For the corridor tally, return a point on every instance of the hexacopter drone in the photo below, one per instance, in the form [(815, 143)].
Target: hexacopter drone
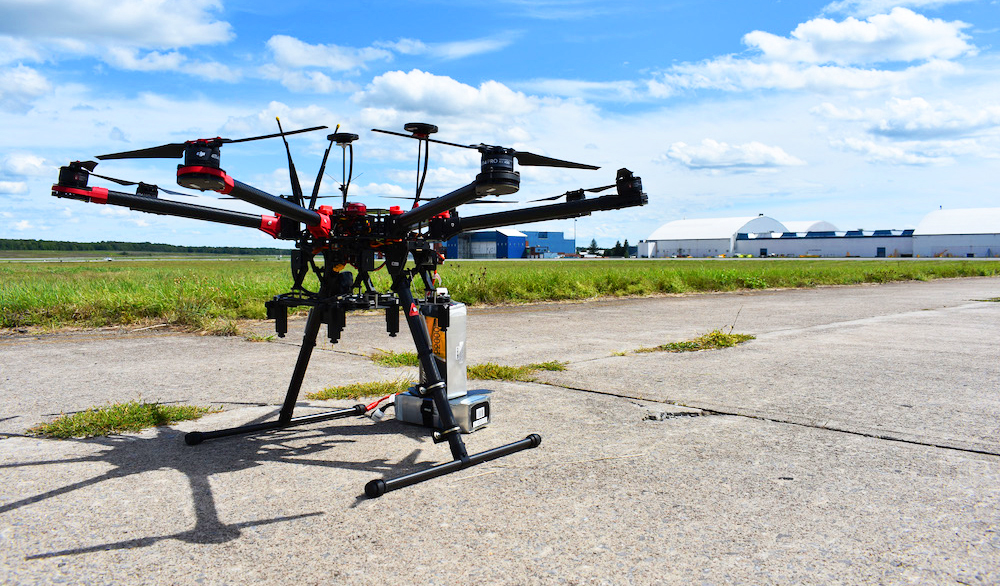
[(356, 236)]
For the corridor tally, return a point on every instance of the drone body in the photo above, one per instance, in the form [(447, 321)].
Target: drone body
[(353, 235)]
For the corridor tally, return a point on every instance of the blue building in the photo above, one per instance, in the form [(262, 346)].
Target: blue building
[(502, 243), (549, 244)]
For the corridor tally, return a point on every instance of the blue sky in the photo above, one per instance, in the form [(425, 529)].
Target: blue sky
[(864, 113)]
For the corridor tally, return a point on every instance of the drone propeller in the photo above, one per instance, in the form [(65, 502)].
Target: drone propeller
[(575, 194), (175, 150), (147, 188), (524, 158)]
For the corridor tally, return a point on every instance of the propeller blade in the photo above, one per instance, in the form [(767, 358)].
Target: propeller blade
[(577, 193), (118, 181), (553, 198), (174, 150), (600, 189), (231, 140), (533, 160), (454, 144)]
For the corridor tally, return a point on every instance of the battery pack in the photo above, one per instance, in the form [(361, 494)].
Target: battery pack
[(472, 411)]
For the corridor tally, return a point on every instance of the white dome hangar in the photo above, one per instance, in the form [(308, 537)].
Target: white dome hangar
[(942, 233), (705, 237)]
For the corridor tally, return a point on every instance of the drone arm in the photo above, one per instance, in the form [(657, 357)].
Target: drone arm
[(284, 207), (629, 194), (436, 206), (154, 205)]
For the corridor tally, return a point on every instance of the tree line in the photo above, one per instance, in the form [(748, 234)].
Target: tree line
[(113, 246)]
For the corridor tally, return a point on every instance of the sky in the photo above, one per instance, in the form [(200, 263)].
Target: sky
[(864, 113)]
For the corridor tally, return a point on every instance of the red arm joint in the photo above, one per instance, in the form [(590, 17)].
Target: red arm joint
[(93, 194), (325, 224), (270, 225)]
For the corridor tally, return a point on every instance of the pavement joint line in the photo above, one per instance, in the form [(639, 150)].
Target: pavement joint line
[(716, 411)]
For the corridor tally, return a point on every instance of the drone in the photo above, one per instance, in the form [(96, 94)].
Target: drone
[(328, 240)]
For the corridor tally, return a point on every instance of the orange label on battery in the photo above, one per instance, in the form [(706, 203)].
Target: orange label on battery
[(438, 337)]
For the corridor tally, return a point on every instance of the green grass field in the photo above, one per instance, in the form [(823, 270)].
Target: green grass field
[(201, 294)]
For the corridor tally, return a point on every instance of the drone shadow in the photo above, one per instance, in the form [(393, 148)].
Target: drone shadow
[(132, 455)]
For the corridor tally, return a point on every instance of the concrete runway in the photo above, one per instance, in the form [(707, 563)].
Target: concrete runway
[(856, 440)]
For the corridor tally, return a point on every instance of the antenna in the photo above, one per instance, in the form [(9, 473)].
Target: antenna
[(296, 186)]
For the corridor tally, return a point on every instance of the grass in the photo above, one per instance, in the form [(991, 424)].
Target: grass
[(118, 418), (359, 390), (488, 371), (212, 295), (992, 299), (394, 359), (493, 371), (711, 341)]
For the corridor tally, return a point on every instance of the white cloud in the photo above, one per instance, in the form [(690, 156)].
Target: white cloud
[(591, 90), (711, 154), (885, 153), (129, 58), (901, 35), (13, 187), (315, 82), (917, 119), (418, 91), (157, 24), (26, 165), (20, 86), (291, 52), (862, 8), (23, 225), (826, 56), (450, 50), (735, 75)]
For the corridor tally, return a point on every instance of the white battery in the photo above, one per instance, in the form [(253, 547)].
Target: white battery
[(471, 411), (449, 349)]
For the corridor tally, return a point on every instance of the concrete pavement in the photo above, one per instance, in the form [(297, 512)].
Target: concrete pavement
[(854, 441)]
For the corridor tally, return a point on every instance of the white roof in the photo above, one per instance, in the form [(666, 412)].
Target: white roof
[(967, 221), (810, 226), (715, 228), (508, 232)]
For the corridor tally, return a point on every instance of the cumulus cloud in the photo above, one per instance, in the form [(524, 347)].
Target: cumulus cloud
[(159, 24), (734, 74), (901, 35), (711, 154), (143, 35), (291, 52), (315, 82), (823, 55), (917, 119), (862, 8), (419, 91), (20, 86), (13, 187), (26, 165)]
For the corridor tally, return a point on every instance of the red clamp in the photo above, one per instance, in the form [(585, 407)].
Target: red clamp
[(270, 225), (93, 194), (325, 223)]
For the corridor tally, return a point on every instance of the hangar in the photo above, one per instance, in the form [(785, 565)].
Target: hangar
[(969, 232), (704, 237), (942, 233)]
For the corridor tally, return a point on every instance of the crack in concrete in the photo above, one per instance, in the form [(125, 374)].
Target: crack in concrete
[(736, 413)]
